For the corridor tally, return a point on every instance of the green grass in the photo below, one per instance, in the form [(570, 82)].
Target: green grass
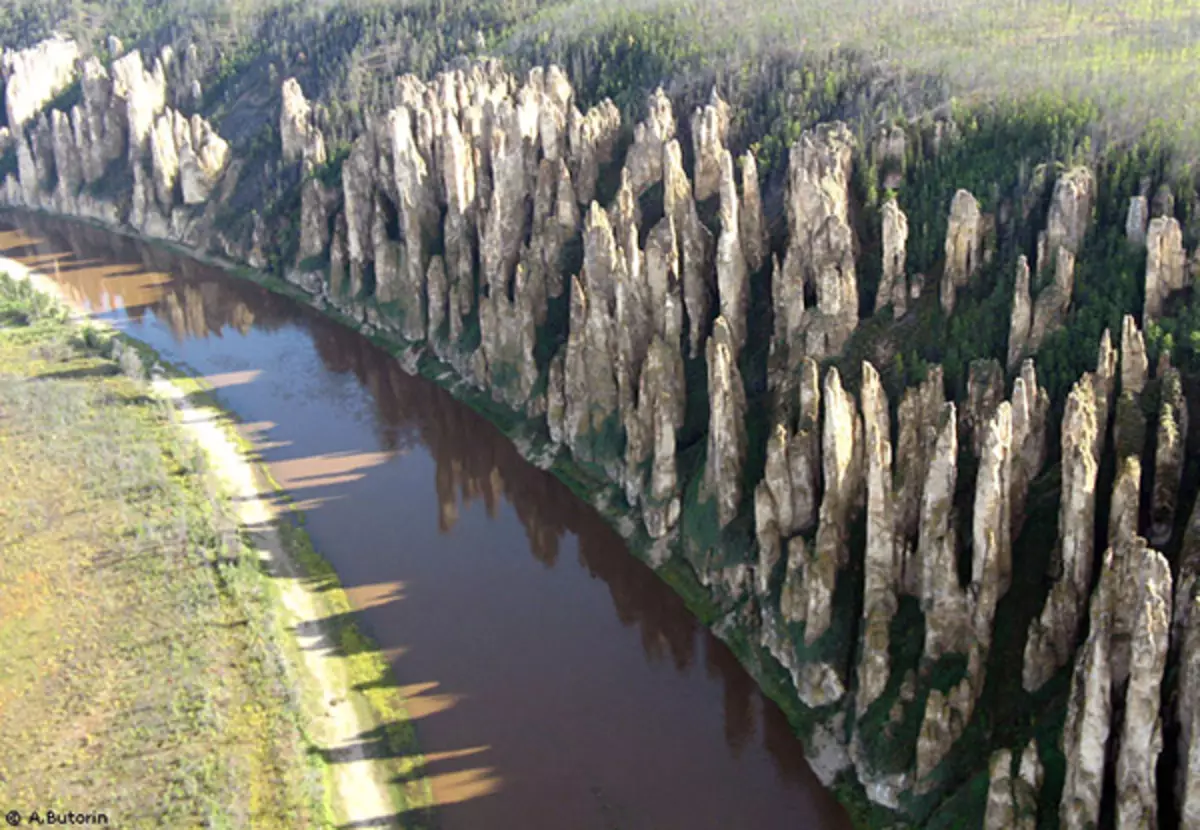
[(1130, 58), (143, 673)]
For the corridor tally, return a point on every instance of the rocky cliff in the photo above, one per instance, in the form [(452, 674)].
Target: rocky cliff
[(853, 529)]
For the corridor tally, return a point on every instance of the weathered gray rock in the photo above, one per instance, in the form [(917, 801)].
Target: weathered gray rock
[(662, 508), (1022, 315), (644, 161), (1089, 711), (820, 249), (203, 157), (842, 463), (1053, 635), (694, 243), (793, 601), (1135, 365), (164, 158), (1012, 800), (295, 116), (314, 220), (1070, 213), (942, 598), (733, 288), (1136, 219), (919, 415), (144, 94), (591, 139), (1123, 509), (766, 533), (964, 246), (1050, 308), (756, 244), (1141, 733), (504, 226), (1166, 265), (1030, 405), (358, 196), (893, 281), (727, 429), (880, 565), (991, 525), (33, 76), (1169, 455), (1001, 813), (709, 125), (437, 291), (67, 164), (1187, 707), (985, 391), (590, 383), (1163, 203), (1104, 385)]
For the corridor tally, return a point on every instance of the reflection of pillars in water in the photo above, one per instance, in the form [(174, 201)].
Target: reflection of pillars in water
[(443, 482), (637, 593), (739, 693)]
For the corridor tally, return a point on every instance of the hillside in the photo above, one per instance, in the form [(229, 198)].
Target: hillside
[(877, 340)]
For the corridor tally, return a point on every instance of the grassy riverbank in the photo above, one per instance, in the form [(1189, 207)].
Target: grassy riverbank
[(150, 669)]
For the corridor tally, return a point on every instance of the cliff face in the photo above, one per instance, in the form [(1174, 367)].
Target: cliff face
[(468, 226)]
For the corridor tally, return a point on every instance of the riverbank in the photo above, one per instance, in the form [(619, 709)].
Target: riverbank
[(245, 599), (708, 604)]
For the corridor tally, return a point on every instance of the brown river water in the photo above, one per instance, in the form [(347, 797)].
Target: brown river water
[(555, 682)]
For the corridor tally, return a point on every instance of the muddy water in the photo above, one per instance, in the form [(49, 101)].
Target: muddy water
[(555, 681)]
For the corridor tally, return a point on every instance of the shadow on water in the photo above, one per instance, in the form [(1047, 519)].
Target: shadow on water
[(567, 688)]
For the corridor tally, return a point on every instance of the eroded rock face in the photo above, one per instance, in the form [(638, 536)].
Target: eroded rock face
[(920, 416), (1022, 315), (693, 241), (1135, 220), (727, 429), (1012, 800), (942, 599), (709, 126), (1123, 510), (644, 161), (1141, 735), (820, 248), (1166, 265), (1052, 637), (294, 120), (756, 244), (1187, 711), (1030, 404), (1050, 308), (841, 458), (591, 139), (33, 76), (145, 95), (985, 391), (732, 272), (893, 281), (964, 246), (1089, 712), (1169, 455), (1070, 212), (880, 564), (1135, 365)]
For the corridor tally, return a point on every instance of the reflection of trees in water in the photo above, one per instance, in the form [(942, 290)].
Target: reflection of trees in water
[(103, 270), (474, 461)]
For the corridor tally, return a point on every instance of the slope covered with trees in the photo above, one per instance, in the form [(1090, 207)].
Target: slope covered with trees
[(873, 333)]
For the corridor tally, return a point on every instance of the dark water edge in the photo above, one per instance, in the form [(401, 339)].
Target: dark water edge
[(615, 568)]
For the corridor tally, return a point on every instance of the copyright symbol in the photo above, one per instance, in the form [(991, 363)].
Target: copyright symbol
[(13, 818)]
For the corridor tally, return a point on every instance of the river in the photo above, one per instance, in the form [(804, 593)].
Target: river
[(554, 681)]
